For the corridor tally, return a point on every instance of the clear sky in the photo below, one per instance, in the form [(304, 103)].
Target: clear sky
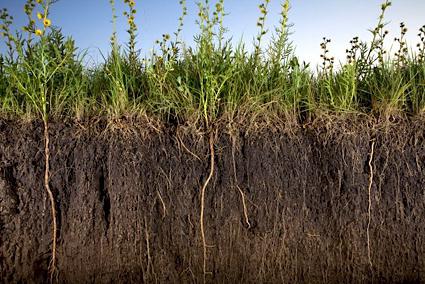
[(89, 21)]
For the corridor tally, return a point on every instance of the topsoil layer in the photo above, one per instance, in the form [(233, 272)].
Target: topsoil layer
[(321, 206)]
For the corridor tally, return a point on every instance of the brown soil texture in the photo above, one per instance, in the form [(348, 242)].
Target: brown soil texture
[(128, 201)]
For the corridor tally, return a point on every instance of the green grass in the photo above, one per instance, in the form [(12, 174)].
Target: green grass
[(43, 75)]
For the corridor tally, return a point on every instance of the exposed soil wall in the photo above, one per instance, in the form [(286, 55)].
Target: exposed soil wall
[(128, 204)]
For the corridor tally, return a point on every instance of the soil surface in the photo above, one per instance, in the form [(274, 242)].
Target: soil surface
[(330, 202)]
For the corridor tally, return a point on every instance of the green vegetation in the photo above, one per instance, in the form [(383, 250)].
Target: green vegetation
[(42, 75)]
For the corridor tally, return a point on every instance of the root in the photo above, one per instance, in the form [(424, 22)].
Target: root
[(204, 243), (245, 209), (184, 146), (52, 265), (148, 251), (370, 205), (164, 208)]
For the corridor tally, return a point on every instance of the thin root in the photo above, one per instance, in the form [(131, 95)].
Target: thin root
[(184, 146), (164, 209), (245, 209), (370, 205), (148, 253), (52, 264), (204, 243)]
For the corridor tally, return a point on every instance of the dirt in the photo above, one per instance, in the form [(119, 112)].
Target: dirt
[(128, 201)]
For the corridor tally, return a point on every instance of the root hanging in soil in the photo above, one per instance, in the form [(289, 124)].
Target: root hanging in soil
[(149, 268), (180, 141), (52, 265), (369, 210), (164, 208), (204, 187), (245, 209)]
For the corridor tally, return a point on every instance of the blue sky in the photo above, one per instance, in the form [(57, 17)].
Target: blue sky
[(89, 22)]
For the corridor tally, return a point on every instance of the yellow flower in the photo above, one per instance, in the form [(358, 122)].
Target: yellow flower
[(130, 21), (40, 16), (47, 23), (132, 3), (39, 1), (39, 32)]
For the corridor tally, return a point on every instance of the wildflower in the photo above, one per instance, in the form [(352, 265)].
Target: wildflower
[(40, 16), (47, 23), (39, 1), (39, 32), (166, 37)]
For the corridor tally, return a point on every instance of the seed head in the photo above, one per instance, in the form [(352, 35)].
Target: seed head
[(218, 7)]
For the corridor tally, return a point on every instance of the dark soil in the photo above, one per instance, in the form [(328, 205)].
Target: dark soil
[(128, 201)]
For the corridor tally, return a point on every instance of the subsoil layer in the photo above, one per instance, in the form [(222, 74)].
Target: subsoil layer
[(311, 204)]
